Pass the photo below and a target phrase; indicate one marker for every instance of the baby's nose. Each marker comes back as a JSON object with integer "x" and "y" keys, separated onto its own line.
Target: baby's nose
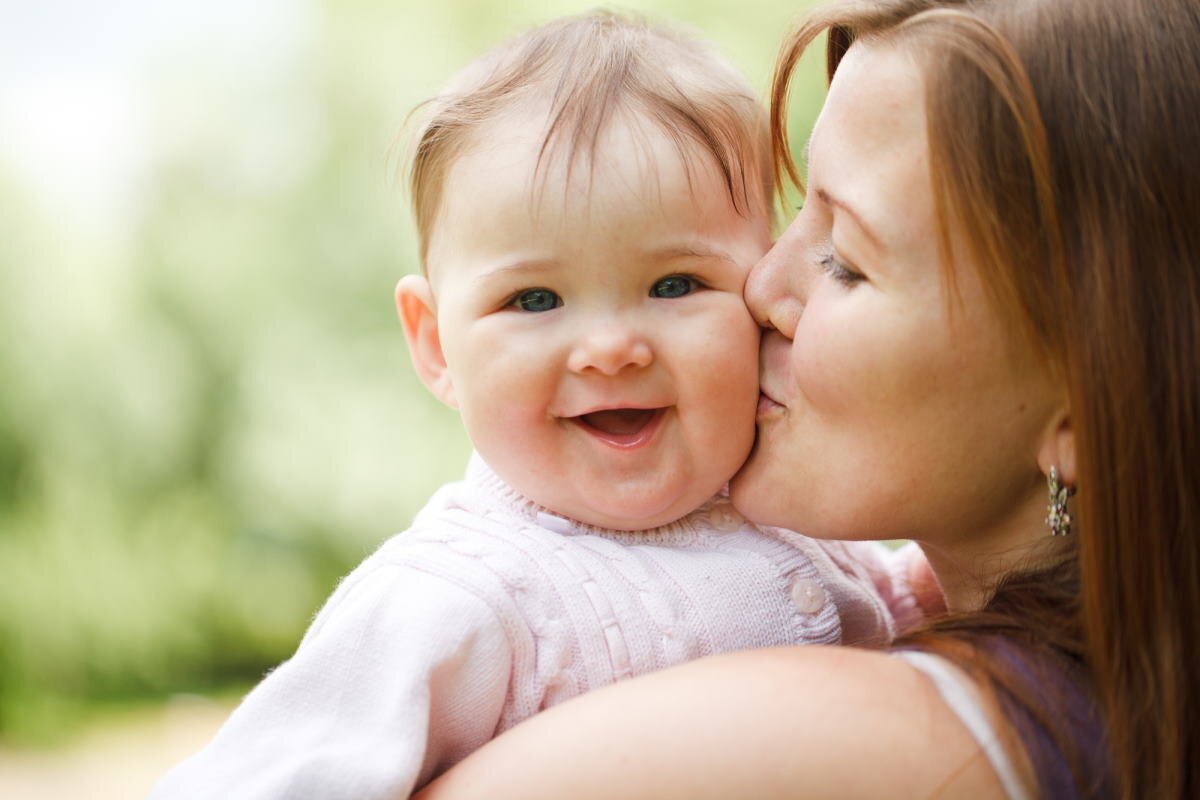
{"x": 609, "y": 349}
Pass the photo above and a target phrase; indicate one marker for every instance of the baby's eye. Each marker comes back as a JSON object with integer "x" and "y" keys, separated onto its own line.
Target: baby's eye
{"x": 536, "y": 300}
{"x": 674, "y": 286}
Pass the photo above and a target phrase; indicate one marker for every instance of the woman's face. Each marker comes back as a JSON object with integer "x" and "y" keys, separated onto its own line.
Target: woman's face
{"x": 888, "y": 409}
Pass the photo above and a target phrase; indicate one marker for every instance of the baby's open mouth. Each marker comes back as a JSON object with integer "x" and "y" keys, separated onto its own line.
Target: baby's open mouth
{"x": 621, "y": 426}
{"x": 619, "y": 421}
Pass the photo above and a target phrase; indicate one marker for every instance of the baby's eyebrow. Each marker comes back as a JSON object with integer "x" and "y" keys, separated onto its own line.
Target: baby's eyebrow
{"x": 523, "y": 267}
{"x": 690, "y": 251}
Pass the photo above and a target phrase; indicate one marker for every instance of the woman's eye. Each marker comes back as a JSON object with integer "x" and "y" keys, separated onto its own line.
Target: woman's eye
{"x": 537, "y": 300}
{"x": 840, "y": 272}
{"x": 674, "y": 286}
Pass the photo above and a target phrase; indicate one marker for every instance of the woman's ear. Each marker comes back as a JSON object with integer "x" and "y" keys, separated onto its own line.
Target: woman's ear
{"x": 418, "y": 314}
{"x": 1058, "y": 448}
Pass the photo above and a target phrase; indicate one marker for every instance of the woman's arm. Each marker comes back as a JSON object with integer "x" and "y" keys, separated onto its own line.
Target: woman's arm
{"x": 811, "y": 722}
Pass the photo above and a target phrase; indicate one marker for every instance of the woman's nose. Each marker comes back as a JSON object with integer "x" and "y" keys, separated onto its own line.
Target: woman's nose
{"x": 776, "y": 286}
{"x": 609, "y": 348}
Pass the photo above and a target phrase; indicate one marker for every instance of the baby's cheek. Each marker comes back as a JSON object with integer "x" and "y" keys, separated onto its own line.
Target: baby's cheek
{"x": 719, "y": 400}
{"x": 736, "y": 381}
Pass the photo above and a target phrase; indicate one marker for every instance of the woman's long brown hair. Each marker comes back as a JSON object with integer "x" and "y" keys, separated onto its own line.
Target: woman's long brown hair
{"x": 1065, "y": 146}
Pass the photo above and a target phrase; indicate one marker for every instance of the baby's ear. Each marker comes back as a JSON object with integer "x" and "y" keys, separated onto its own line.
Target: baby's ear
{"x": 418, "y": 314}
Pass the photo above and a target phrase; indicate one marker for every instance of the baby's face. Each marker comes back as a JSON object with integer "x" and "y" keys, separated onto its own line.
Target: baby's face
{"x": 596, "y": 340}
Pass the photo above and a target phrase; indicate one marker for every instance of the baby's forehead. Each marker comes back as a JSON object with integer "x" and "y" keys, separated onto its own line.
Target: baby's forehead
{"x": 633, "y": 193}
{"x": 558, "y": 163}
{"x": 561, "y": 153}
{"x": 513, "y": 187}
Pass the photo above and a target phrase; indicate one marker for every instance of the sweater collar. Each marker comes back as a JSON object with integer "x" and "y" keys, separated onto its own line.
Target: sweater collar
{"x": 483, "y": 476}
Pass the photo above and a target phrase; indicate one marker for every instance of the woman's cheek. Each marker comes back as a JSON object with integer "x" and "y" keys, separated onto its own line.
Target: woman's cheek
{"x": 826, "y": 365}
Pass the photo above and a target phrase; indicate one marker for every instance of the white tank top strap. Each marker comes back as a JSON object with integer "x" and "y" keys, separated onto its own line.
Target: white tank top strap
{"x": 966, "y": 707}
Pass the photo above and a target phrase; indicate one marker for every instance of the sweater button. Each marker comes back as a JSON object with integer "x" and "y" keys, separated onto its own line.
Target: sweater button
{"x": 808, "y": 596}
{"x": 724, "y": 518}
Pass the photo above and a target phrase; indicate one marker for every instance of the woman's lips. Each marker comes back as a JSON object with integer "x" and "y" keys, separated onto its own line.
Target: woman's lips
{"x": 623, "y": 428}
{"x": 767, "y": 406}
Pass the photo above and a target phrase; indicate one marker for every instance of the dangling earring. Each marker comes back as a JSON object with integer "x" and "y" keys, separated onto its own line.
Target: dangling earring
{"x": 1059, "y": 519}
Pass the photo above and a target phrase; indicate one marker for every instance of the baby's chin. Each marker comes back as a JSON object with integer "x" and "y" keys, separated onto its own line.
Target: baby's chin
{"x": 628, "y": 511}
{"x": 626, "y": 517}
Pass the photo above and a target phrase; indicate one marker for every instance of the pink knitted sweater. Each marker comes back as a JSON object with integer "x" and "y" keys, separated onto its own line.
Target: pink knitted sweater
{"x": 490, "y": 609}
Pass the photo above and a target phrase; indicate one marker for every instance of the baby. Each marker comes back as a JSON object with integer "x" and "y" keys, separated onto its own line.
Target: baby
{"x": 590, "y": 198}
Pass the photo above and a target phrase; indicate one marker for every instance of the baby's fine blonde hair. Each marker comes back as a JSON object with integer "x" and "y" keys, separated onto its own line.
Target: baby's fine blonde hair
{"x": 585, "y": 69}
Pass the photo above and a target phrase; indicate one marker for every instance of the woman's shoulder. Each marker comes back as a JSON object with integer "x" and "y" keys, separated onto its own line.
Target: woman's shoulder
{"x": 782, "y": 722}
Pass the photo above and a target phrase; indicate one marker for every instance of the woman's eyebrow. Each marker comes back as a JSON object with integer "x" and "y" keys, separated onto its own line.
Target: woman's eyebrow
{"x": 824, "y": 196}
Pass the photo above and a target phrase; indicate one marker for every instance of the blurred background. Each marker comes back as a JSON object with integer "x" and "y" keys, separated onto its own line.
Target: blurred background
{"x": 207, "y": 413}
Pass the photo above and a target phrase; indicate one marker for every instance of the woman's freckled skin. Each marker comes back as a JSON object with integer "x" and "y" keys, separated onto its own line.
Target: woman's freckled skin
{"x": 899, "y": 414}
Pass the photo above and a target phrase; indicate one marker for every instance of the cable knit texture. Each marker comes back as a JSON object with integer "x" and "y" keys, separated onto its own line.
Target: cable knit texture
{"x": 491, "y": 608}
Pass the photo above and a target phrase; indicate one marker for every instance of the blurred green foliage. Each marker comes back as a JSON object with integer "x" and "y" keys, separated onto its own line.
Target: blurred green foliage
{"x": 206, "y": 410}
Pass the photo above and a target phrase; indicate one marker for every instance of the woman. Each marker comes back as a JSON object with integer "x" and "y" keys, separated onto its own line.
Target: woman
{"x": 991, "y": 293}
